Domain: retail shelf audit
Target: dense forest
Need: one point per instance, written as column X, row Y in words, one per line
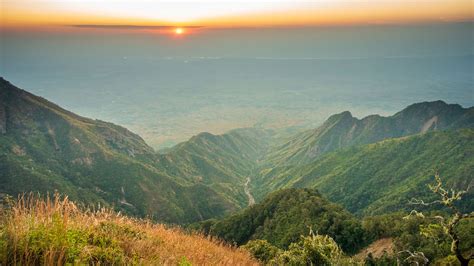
column 283, row 216
column 299, row 227
column 382, row 177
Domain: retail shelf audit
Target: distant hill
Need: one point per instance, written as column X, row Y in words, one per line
column 283, row 216
column 383, row 176
column 222, row 162
column 343, row 130
column 45, row 148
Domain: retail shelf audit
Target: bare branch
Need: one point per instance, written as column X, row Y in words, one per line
column 415, row 201
column 415, row 257
column 448, row 198
column 415, row 214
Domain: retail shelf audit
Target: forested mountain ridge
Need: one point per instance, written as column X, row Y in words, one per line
column 222, row 162
column 45, row 148
column 344, row 130
column 383, row 176
column 284, row 216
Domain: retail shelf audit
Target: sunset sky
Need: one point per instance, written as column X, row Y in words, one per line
column 228, row 13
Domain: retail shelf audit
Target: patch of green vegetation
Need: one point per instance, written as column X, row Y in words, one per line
column 262, row 250
column 309, row 250
column 222, row 162
column 286, row 215
column 421, row 234
column 184, row 262
column 382, row 177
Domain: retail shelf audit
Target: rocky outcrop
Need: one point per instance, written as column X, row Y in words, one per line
column 430, row 124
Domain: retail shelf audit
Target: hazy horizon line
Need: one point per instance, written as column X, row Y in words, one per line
column 131, row 26
column 283, row 26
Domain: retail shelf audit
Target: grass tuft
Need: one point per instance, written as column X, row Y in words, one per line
column 53, row 230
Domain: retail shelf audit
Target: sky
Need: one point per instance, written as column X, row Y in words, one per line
column 219, row 65
column 229, row 13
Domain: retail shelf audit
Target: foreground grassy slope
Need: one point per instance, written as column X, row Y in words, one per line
column 55, row 231
column 382, row 177
column 45, row 148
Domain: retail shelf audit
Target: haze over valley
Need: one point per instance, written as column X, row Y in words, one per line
column 169, row 89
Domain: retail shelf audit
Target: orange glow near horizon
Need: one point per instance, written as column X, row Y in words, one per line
column 30, row 13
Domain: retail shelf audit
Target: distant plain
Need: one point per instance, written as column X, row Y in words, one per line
column 168, row 89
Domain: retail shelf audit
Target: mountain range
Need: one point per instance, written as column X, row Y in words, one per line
column 382, row 177
column 45, row 148
column 343, row 130
column 370, row 165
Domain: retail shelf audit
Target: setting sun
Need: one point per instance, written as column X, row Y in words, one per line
column 179, row 31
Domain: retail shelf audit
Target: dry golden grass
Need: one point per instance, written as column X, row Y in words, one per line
column 54, row 231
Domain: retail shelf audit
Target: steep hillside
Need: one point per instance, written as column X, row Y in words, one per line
column 55, row 231
column 344, row 130
column 45, row 148
column 283, row 216
column 383, row 176
column 221, row 162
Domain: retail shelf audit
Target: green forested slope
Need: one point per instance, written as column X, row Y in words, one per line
column 222, row 162
column 45, row 148
column 285, row 215
column 344, row 130
column 383, row 176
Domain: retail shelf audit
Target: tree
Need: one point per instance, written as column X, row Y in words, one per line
column 448, row 199
column 262, row 250
column 312, row 250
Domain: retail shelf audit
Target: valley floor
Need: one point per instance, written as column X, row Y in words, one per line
column 248, row 193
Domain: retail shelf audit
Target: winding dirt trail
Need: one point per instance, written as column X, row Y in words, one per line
column 247, row 191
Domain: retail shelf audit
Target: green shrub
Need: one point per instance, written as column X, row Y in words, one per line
column 274, row 218
column 450, row 260
column 312, row 250
column 262, row 250
column 384, row 260
column 309, row 250
column 52, row 241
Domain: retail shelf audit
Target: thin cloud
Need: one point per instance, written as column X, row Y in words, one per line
column 131, row 27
